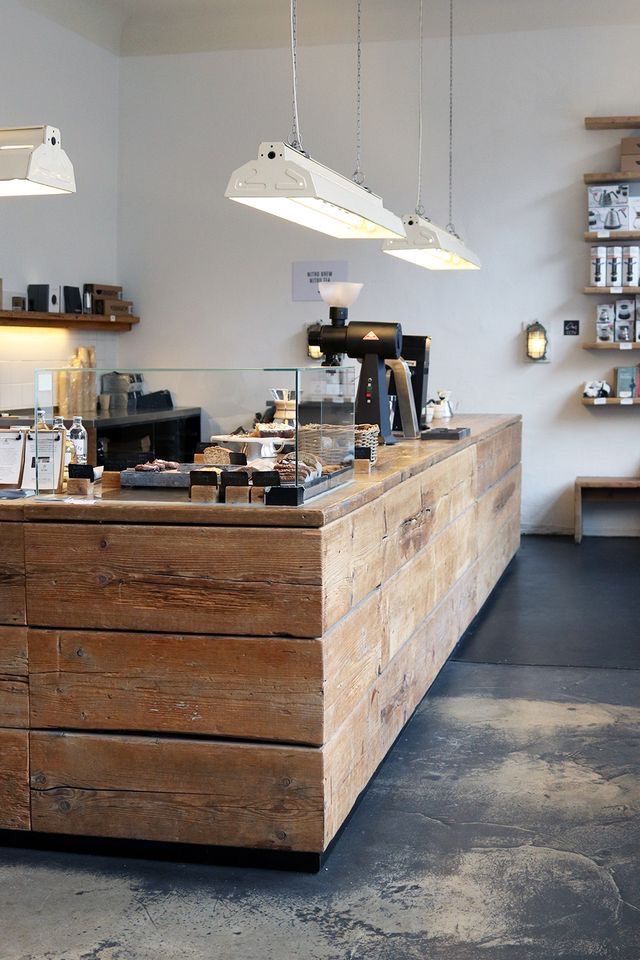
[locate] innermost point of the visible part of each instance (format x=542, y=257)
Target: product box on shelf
x=626, y=309
x=630, y=266
x=598, y=266
x=608, y=194
x=614, y=266
x=626, y=382
x=609, y=218
x=605, y=318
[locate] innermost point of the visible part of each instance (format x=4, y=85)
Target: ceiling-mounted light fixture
x=426, y=244
x=33, y=163
x=285, y=182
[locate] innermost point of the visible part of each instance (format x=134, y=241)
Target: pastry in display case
x=274, y=436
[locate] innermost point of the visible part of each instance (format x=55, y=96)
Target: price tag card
x=615, y=289
x=603, y=234
x=625, y=346
x=626, y=401
x=599, y=401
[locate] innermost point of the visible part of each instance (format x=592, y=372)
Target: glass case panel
x=274, y=436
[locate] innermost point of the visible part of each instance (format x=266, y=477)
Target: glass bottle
x=69, y=449
x=79, y=439
x=41, y=420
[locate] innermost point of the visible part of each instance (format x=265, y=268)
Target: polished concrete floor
x=504, y=825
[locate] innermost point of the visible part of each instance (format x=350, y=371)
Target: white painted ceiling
x=139, y=27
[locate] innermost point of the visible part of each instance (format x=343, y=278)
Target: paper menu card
x=12, y=444
x=49, y=466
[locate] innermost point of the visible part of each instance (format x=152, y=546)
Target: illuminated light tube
x=286, y=184
x=431, y=247
x=33, y=163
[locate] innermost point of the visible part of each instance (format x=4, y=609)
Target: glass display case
x=274, y=436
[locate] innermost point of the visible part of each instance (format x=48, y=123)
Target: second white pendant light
x=426, y=244
x=286, y=183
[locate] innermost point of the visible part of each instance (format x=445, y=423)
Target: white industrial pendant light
x=425, y=244
x=33, y=163
x=285, y=182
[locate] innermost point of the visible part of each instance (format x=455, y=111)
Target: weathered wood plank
x=498, y=503
x=497, y=455
x=261, y=688
x=360, y=744
x=14, y=690
x=14, y=780
x=186, y=579
x=370, y=545
x=12, y=580
x=204, y=791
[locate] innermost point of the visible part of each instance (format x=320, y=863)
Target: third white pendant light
x=426, y=244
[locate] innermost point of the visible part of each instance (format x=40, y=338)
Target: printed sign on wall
x=307, y=274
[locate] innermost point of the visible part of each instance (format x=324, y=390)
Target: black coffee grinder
x=373, y=343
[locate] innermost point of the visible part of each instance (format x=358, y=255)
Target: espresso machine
x=376, y=345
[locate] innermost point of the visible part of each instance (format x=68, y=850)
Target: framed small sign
x=572, y=328
x=307, y=274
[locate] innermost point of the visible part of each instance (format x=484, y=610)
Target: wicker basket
x=331, y=443
x=367, y=436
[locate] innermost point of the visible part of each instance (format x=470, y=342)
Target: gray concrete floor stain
x=505, y=824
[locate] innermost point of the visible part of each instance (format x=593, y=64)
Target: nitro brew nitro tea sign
x=307, y=274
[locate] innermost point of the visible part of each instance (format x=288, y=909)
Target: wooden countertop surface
x=395, y=464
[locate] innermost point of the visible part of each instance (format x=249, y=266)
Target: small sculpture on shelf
x=597, y=388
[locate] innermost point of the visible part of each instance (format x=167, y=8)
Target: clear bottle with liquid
x=41, y=421
x=69, y=449
x=79, y=439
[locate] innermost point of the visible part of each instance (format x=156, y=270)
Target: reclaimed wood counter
x=234, y=675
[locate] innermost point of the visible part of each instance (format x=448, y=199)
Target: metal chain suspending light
x=450, y=226
x=295, y=139
x=358, y=175
x=419, y=206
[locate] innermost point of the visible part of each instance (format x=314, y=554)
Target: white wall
x=51, y=75
x=213, y=279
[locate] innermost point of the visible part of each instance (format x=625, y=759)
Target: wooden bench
x=601, y=488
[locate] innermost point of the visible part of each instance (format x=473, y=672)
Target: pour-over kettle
x=612, y=220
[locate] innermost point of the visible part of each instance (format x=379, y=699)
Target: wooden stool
x=601, y=488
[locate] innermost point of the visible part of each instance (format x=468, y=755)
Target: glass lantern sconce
x=536, y=343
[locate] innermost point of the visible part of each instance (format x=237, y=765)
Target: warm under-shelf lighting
x=431, y=247
x=287, y=184
x=33, y=163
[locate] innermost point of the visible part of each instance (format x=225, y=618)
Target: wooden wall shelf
x=617, y=176
x=611, y=236
x=611, y=346
x=612, y=291
x=612, y=123
x=71, y=321
x=611, y=401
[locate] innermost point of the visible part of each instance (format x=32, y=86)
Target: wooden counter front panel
x=360, y=744
x=497, y=455
x=14, y=691
x=262, y=688
x=242, y=580
x=12, y=581
x=14, y=780
x=192, y=791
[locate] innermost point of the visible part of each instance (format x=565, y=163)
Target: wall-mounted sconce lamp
x=537, y=342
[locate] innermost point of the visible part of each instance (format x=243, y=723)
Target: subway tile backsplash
x=24, y=351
